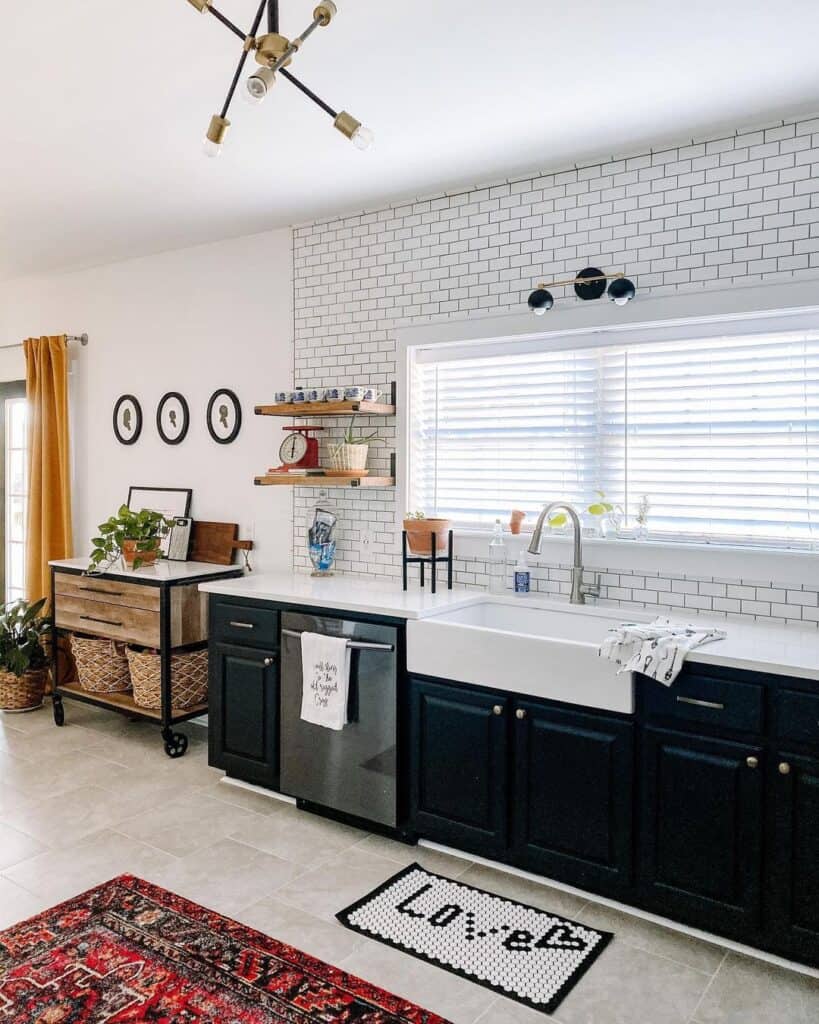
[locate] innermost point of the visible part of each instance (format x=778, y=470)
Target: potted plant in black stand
x=23, y=659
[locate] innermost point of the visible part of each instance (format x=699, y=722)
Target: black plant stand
x=431, y=559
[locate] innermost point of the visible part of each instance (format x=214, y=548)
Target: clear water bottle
x=497, y=560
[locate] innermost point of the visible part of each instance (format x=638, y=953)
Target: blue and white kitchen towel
x=657, y=649
x=325, y=685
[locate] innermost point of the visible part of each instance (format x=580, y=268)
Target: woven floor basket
x=189, y=678
x=102, y=666
x=22, y=693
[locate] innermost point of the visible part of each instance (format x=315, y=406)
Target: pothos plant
x=146, y=528
x=22, y=629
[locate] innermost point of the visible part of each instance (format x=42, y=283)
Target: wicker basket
x=189, y=677
x=22, y=693
x=102, y=666
x=349, y=456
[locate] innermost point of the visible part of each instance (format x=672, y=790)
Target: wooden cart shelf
x=125, y=702
x=316, y=410
x=324, y=481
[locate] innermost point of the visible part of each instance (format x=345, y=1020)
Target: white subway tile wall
x=735, y=208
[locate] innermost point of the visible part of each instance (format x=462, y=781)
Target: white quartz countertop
x=346, y=593
x=780, y=650
x=162, y=572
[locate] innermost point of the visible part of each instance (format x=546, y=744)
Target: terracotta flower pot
x=130, y=553
x=419, y=535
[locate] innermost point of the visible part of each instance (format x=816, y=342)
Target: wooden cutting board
x=214, y=542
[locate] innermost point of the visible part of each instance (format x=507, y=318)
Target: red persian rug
x=129, y=952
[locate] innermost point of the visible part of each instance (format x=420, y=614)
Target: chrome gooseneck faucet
x=580, y=590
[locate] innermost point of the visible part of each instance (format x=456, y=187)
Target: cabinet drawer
x=695, y=697
x=137, y=625
x=115, y=592
x=797, y=716
x=243, y=622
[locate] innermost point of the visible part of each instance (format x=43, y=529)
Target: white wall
x=192, y=320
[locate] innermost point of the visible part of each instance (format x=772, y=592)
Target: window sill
x=787, y=566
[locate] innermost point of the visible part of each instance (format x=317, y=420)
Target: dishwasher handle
x=354, y=645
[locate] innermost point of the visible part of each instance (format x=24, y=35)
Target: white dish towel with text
x=657, y=649
x=325, y=683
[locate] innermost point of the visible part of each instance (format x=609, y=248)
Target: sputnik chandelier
x=274, y=52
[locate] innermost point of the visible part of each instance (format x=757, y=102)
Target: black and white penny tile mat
x=522, y=952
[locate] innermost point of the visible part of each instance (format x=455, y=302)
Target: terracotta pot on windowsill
x=419, y=535
x=130, y=552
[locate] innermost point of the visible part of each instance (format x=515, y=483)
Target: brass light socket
x=346, y=124
x=270, y=47
x=217, y=128
x=325, y=12
x=200, y=5
x=267, y=76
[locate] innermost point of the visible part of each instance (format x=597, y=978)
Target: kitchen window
x=721, y=433
x=16, y=430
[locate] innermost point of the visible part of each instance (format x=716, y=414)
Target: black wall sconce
x=588, y=284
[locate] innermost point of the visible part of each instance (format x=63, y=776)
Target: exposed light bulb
x=362, y=138
x=215, y=135
x=211, y=149
x=258, y=86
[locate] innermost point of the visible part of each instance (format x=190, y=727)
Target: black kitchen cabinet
x=458, y=766
x=572, y=803
x=701, y=820
x=794, y=889
x=244, y=713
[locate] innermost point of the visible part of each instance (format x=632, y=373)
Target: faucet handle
x=591, y=589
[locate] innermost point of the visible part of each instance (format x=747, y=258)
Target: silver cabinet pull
x=520, y=714
x=752, y=762
x=713, y=705
x=104, y=593
x=354, y=645
x=497, y=710
x=242, y=625
x=105, y=622
x=784, y=768
x=268, y=662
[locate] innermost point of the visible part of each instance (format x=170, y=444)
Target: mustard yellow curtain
x=49, y=482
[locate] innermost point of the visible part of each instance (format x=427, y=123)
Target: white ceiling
x=106, y=105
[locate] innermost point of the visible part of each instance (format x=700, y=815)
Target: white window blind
x=721, y=435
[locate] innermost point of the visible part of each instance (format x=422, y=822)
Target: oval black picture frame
x=186, y=417
x=137, y=410
x=233, y=398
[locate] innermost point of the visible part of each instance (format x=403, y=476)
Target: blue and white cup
x=354, y=394
x=298, y=396
x=371, y=395
x=282, y=396
x=311, y=395
x=333, y=394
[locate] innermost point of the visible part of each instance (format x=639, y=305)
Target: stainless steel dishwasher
x=355, y=770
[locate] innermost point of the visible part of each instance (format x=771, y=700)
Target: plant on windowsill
x=136, y=536
x=350, y=454
x=420, y=529
x=23, y=657
x=605, y=517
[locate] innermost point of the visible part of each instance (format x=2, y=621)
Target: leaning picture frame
x=173, y=503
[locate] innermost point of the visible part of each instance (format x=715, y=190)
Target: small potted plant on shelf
x=23, y=657
x=350, y=454
x=420, y=529
x=136, y=536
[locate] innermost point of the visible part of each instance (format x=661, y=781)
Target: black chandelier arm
x=272, y=15
x=242, y=60
x=308, y=92
x=226, y=22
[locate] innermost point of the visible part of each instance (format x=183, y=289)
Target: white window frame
x=9, y=543
x=754, y=309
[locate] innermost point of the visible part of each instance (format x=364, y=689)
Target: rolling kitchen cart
x=157, y=606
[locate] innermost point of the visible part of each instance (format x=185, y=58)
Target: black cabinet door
x=701, y=831
x=572, y=802
x=243, y=713
x=794, y=888
x=458, y=766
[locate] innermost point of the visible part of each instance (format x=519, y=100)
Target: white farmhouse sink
x=546, y=650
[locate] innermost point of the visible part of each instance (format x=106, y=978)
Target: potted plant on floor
x=420, y=529
x=136, y=536
x=23, y=658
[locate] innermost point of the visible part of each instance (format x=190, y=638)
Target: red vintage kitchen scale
x=298, y=450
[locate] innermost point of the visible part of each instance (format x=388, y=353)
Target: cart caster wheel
x=59, y=712
x=176, y=743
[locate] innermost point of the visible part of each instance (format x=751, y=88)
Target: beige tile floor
x=99, y=797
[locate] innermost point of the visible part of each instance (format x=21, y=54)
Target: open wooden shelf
x=124, y=701
x=324, y=481
x=315, y=410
